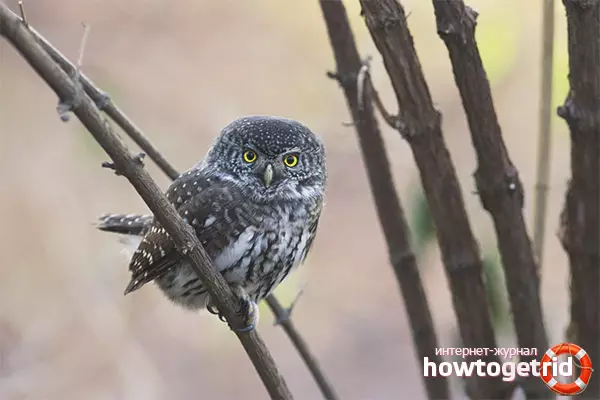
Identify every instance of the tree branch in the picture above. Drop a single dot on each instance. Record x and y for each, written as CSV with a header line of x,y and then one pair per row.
x,y
17,33
497,180
388,206
580,216
105,104
386,21
127,125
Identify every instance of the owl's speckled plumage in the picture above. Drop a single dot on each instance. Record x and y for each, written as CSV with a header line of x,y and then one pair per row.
x,y
256,229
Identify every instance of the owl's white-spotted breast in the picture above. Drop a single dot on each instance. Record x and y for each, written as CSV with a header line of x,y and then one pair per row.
x,y
254,203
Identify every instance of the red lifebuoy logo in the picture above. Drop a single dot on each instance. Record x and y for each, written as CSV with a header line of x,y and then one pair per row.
x,y
549,373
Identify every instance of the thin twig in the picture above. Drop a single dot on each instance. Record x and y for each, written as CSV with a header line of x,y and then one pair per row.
x,y
86,31
544,136
13,29
65,106
106,104
392,120
22,12
364,80
127,125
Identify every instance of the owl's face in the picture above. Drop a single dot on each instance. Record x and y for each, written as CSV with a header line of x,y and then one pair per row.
x,y
271,157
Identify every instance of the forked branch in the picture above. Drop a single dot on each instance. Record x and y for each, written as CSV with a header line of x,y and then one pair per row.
x,y
18,34
386,21
105,103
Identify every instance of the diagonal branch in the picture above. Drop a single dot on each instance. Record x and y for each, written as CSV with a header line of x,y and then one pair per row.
x,y
17,33
387,24
497,180
388,206
126,124
106,104
301,346
580,216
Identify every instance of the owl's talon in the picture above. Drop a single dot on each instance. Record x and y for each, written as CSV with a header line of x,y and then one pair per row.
x,y
213,310
248,328
248,309
250,314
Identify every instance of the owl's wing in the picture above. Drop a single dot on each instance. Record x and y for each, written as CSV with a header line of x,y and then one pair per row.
x,y
312,232
203,202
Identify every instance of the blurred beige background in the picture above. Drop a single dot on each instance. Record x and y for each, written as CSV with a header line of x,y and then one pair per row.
x,y
182,70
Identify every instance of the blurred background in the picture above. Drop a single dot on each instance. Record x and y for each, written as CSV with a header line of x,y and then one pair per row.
x,y
183,70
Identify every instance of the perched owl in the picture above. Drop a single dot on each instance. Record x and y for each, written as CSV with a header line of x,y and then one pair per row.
x,y
254,202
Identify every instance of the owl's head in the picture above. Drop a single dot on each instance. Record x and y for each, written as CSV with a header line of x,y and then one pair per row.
x,y
270,156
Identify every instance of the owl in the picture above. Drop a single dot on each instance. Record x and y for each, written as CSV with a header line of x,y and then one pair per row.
x,y
254,203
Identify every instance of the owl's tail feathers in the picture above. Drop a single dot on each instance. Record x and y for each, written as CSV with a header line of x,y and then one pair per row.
x,y
126,224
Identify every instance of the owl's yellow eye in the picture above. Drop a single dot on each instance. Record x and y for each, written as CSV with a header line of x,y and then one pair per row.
x,y
290,160
249,156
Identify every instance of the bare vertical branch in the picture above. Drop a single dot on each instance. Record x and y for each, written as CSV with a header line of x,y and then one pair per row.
x,y
388,206
16,32
544,135
580,217
127,125
421,127
497,179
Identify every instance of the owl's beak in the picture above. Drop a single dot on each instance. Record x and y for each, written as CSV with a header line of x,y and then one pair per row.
x,y
268,175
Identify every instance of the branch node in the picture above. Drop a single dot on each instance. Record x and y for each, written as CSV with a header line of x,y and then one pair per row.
x,y
111,165
138,159
578,118
65,106
286,315
489,190
399,258
102,101
333,75
344,80
567,110
472,14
